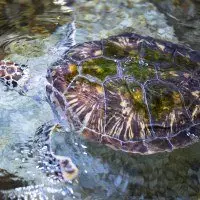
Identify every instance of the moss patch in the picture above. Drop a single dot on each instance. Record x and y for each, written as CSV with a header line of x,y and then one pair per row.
x,y
70,72
99,68
118,50
185,63
140,73
163,100
136,95
155,55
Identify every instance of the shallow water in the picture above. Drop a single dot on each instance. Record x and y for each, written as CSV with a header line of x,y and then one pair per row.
x,y
28,34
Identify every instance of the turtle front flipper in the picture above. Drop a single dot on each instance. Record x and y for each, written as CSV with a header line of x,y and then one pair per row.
x,y
60,167
69,171
13,75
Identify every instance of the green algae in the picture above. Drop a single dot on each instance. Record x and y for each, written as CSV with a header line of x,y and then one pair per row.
x,y
140,73
132,93
155,55
137,98
185,63
163,100
99,68
113,50
118,50
169,74
72,71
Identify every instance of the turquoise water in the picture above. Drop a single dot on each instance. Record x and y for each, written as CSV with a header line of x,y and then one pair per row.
x,y
29,33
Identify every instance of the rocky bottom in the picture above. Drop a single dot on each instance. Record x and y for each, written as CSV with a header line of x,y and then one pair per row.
x,y
108,174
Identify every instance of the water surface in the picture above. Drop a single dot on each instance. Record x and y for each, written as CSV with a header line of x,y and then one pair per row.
x,y
29,32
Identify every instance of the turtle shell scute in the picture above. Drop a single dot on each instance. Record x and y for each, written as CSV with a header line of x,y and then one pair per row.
x,y
130,92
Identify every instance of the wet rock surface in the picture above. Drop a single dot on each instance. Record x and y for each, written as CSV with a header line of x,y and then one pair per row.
x,y
184,16
10,181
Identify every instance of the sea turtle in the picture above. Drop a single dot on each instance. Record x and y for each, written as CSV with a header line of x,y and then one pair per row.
x,y
130,92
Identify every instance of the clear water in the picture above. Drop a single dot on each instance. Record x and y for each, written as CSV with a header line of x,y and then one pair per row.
x,y
29,31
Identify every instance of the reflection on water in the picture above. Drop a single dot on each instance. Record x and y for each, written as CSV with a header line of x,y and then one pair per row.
x,y
184,16
28,34
32,16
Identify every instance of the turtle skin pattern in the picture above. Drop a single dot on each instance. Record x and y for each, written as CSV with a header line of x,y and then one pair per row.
x,y
13,75
130,92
